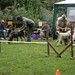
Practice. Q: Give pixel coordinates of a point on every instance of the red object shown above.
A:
(57, 72)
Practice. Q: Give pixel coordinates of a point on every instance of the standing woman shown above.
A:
(27, 23)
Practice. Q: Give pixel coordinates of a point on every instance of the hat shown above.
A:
(2, 21)
(63, 15)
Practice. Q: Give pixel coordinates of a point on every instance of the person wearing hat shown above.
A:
(62, 25)
(3, 32)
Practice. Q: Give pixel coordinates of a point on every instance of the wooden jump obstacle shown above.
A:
(70, 45)
(49, 45)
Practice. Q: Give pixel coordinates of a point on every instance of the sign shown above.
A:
(71, 13)
(40, 24)
(10, 23)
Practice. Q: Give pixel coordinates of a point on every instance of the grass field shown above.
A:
(31, 59)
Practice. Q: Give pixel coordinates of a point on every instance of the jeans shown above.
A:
(3, 33)
(30, 29)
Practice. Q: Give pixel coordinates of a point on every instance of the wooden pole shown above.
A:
(65, 49)
(48, 48)
(72, 53)
(54, 50)
(0, 46)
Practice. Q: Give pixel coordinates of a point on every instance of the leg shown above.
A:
(59, 40)
(30, 29)
(5, 33)
(65, 41)
(29, 35)
(17, 38)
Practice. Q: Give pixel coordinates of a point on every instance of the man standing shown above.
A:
(27, 23)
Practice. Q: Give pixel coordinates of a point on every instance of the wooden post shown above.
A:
(48, 48)
(0, 46)
(72, 41)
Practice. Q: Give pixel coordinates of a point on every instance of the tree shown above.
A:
(29, 8)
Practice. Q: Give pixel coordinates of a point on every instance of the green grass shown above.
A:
(31, 59)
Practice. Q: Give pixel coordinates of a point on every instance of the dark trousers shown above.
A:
(30, 29)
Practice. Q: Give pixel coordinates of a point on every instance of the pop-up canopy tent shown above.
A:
(66, 7)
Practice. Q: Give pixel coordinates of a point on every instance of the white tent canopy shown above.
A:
(66, 2)
(69, 9)
(70, 5)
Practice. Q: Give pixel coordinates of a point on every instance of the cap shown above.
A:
(63, 15)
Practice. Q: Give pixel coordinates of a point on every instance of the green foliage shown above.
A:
(34, 9)
(46, 15)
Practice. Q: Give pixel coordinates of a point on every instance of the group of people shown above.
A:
(27, 23)
(62, 26)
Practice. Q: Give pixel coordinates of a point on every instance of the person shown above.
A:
(46, 29)
(27, 23)
(62, 25)
(3, 32)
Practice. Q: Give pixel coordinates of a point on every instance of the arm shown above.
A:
(42, 28)
(61, 24)
(24, 25)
